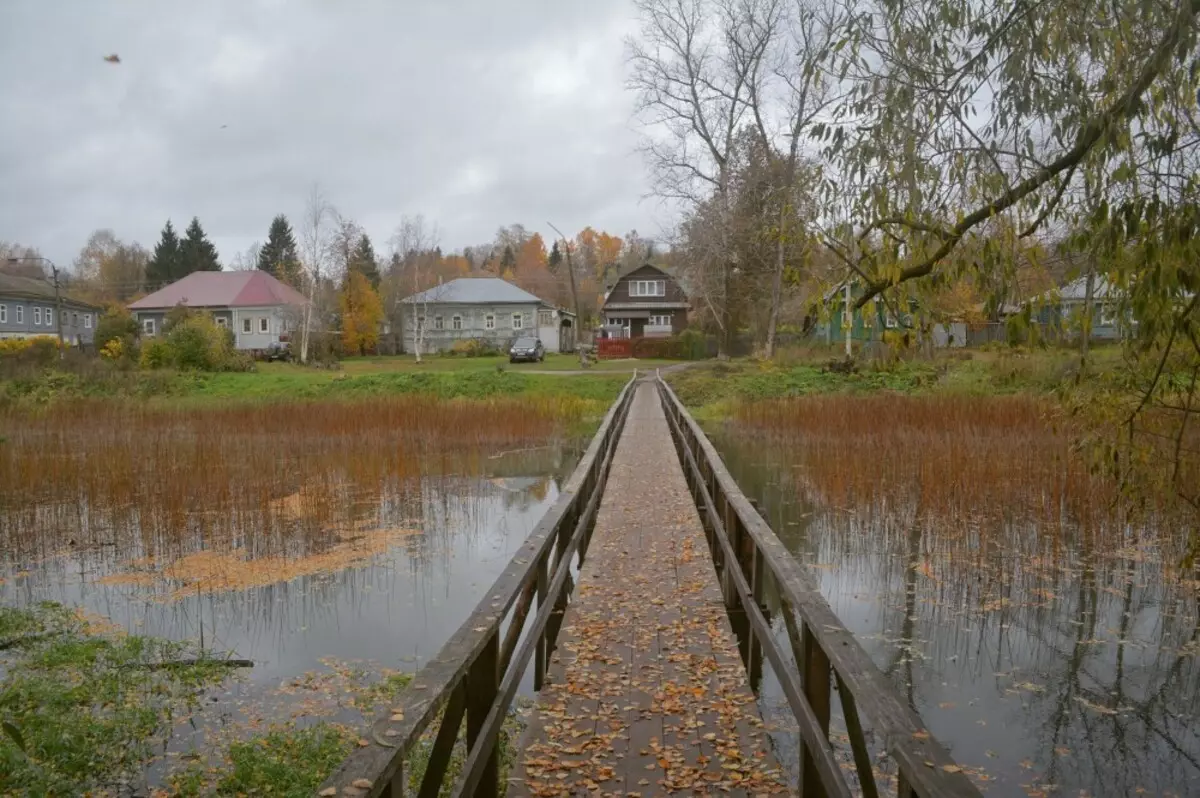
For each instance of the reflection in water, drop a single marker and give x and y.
(1050, 664)
(390, 610)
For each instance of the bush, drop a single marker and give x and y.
(117, 324)
(473, 347)
(195, 343)
(41, 350)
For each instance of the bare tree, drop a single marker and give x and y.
(696, 68)
(246, 261)
(413, 242)
(315, 232)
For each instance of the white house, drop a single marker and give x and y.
(259, 309)
(486, 309)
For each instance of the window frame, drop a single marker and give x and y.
(222, 322)
(3, 314)
(889, 320)
(1107, 315)
(37, 316)
(489, 321)
(48, 315)
(456, 322)
(20, 315)
(74, 319)
(518, 321)
(264, 325)
(87, 321)
(545, 318)
(439, 323)
(148, 327)
(660, 320)
(648, 288)
(247, 325)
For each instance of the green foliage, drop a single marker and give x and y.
(117, 324)
(194, 342)
(362, 260)
(164, 264)
(196, 252)
(474, 347)
(80, 710)
(279, 256)
(286, 762)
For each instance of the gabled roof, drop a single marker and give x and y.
(222, 290)
(626, 272)
(16, 285)
(474, 291)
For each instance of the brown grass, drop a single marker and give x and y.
(285, 482)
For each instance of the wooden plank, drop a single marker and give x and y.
(443, 744)
(654, 655)
(904, 733)
(481, 684)
(814, 666)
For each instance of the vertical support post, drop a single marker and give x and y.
(396, 787)
(758, 590)
(904, 789)
(483, 681)
(815, 670)
(543, 584)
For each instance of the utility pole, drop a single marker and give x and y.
(57, 298)
(574, 297)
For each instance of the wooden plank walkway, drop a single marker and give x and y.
(646, 694)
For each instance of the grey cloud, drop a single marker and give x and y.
(475, 113)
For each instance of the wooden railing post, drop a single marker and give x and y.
(543, 583)
(483, 681)
(815, 672)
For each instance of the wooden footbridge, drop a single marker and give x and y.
(643, 601)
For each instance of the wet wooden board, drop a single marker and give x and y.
(646, 694)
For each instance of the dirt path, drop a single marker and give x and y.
(646, 693)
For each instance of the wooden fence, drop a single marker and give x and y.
(478, 670)
(747, 554)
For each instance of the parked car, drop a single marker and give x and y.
(530, 349)
(278, 350)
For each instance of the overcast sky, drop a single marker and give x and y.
(476, 113)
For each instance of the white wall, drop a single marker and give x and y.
(277, 318)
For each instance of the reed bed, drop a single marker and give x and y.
(268, 481)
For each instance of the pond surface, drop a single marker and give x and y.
(1049, 664)
(353, 558)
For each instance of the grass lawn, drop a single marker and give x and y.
(553, 362)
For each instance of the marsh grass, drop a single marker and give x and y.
(137, 484)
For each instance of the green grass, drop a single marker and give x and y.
(81, 711)
(712, 389)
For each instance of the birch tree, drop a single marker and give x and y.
(413, 242)
(315, 237)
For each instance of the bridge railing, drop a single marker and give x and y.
(478, 671)
(747, 553)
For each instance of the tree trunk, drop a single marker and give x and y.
(1085, 334)
(776, 287)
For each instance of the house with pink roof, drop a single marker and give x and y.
(258, 308)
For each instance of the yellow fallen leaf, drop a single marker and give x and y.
(362, 784)
(952, 768)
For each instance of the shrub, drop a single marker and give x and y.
(473, 347)
(156, 354)
(116, 324)
(39, 350)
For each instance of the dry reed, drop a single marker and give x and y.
(284, 481)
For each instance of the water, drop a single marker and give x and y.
(314, 636)
(1048, 665)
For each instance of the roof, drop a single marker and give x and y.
(16, 285)
(222, 290)
(474, 291)
(1077, 289)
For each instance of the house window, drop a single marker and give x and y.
(222, 321)
(3, 314)
(420, 322)
(1107, 317)
(87, 321)
(20, 314)
(660, 321)
(37, 316)
(456, 322)
(437, 323)
(148, 326)
(518, 321)
(246, 326)
(648, 288)
(264, 325)
(889, 320)
(49, 317)
(74, 319)
(545, 318)
(489, 322)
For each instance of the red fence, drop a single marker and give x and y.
(612, 348)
